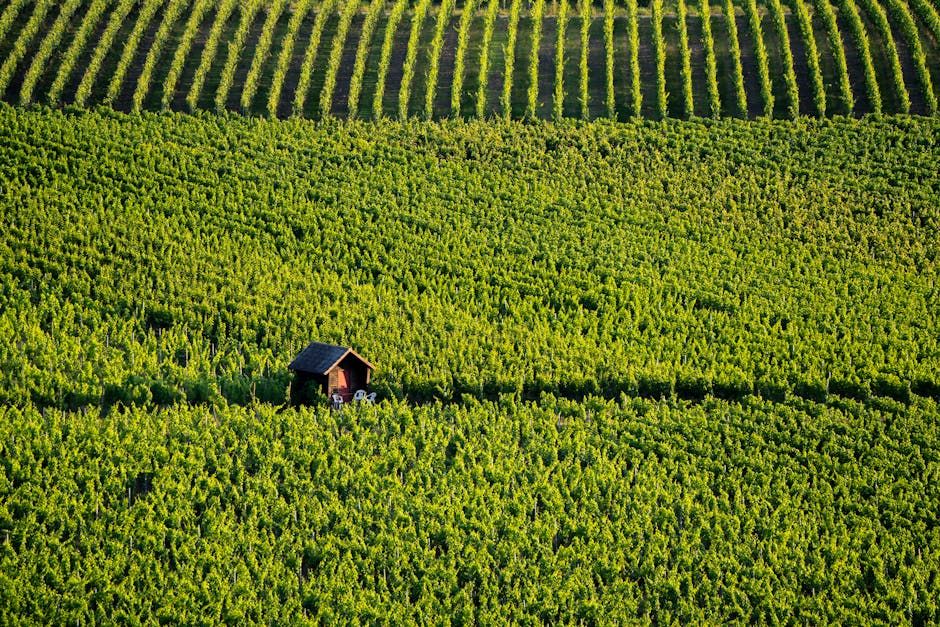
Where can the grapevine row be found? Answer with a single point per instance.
(659, 49)
(789, 74)
(536, 40)
(929, 16)
(209, 52)
(760, 52)
(411, 57)
(483, 86)
(147, 12)
(200, 9)
(585, 33)
(434, 60)
(510, 58)
(362, 54)
(609, 8)
(246, 17)
(463, 40)
(336, 54)
(902, 16)
(633, 46)
(878, 17)
(558, 98)
(9, 15)
(300, 11)
(740, 93)
(860, 36)
(824, 9)
(685, 55)
(260, 54)
(310, 55)
(90, 21)
(153, 55)
(391, 26)
(812, 55)
(30, 30)
(49, 43)
(711, 69)
(101, 50)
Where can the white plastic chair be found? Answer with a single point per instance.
(337, 401)
(360, 395)
(370, 398)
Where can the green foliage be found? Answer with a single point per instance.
(760, 52)
(609, 9)
(860, 37)
(879, 18)
(489, 23)
(902, 16)
(739, 92)
(824, 9)
(535, 43)
(711, 68)
(623, 511)
(323, 12)
(23, 40)
(411, 57)
(812, 55)
(510, 56)
(434, 56)
(170, 15)
(394, 18)
(193, 22)
(89, 22)
(9, 15)
(685, 55)
(209, 51)
(298, 13)
(659, 52)
(246, 17)
(50, 42)
(583, 74)
(259, 55)
(633, 44)
(350, 9)
(376, 9)
(467, 14)
(789, 74)
(558, 99)
(148, 10)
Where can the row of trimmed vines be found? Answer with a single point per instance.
(146, 33)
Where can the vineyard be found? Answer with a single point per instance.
(392, 58)
(693, 379)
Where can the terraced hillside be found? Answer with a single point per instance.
(315, 58)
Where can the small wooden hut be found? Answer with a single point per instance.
(336, 369)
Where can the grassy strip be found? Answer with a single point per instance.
(336, 56)
(362, 55)
(789, 74)
(21, 45)
(558, 99)
(48, 45)
(812, 55)
(147, 13)
(532, 95)
(310, 56)
(246, 18)
(585, 35)
(510, 56)
(173, 10)
(434, 60)
(463, 39)
(394, 18)
(488, 23)
(760, 52)
(824, 9)
(411, 57)
(101, 49)
(262, 49)
(659, 48)
(633, 43)
(860, 36)
(209, 52)
(9, 15)
(200, 9)
(685, 56)
(740, 94)
(711, 68)
(902, 15)
(880, 19)
(609, 55)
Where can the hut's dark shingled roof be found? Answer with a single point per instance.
(318, 357)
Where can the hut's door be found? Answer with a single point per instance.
(342, 385)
